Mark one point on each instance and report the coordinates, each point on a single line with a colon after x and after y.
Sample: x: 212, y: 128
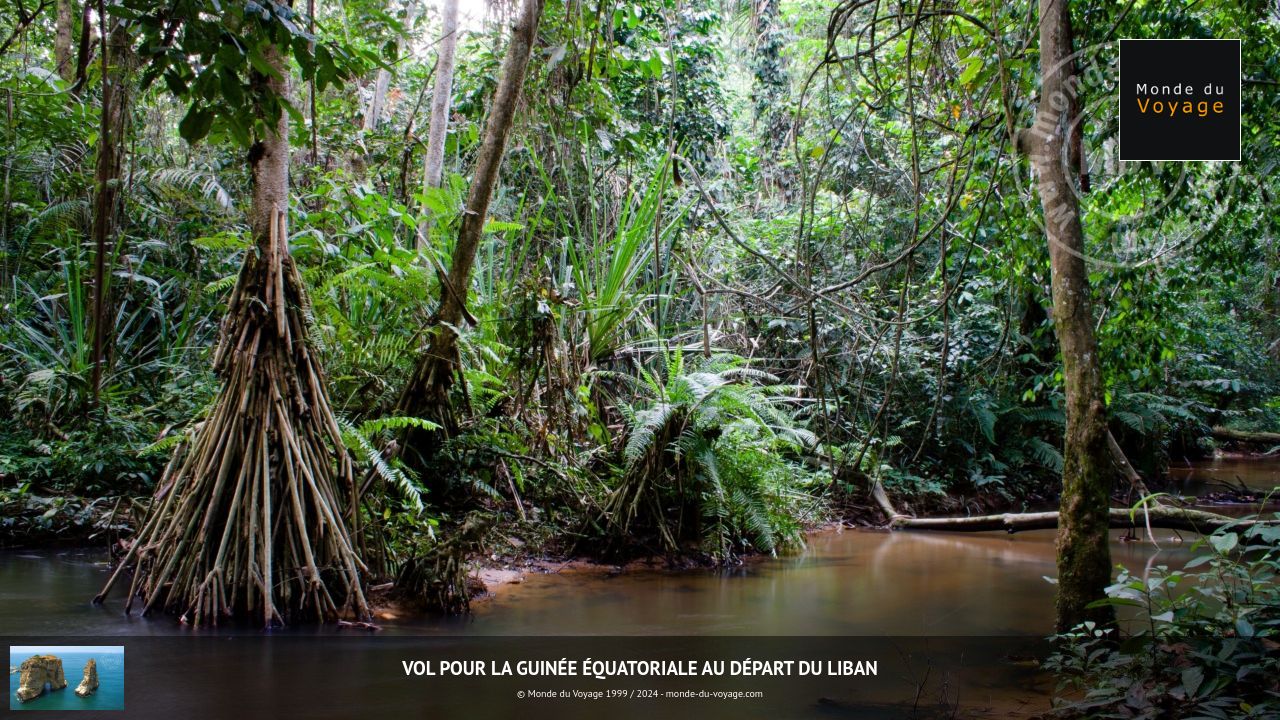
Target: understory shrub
x: 712, y: 460
x: 1203, y: 644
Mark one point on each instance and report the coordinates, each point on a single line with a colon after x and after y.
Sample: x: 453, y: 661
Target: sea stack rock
x: 90, y: 681
x: 37, y: 671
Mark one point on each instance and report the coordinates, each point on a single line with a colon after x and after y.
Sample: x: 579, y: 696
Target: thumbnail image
x: 44, y: 677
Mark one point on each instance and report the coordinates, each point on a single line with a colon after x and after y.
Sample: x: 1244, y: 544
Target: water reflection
x: 853, y: 582
x: 846, y: 583
x: 1223, y: 472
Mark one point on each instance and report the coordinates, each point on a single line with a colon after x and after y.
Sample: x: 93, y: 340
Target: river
x: 854, y: 584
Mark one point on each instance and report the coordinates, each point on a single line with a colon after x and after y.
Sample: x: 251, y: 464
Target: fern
x: 1045, y: 454
x: 1026, y: 415
x: 369, y: 428
x: 221, y: 285
x: 164, y: 446
x: 712, y: 435
x: 985, y: 418
x: 361, y: 442
x: 1134, y: 421
x: 188, y: 179
x: 54, y: 218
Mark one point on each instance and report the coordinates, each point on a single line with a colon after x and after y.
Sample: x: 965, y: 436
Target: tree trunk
x: 63, y: 27
x: 373, y: 111
x: 382, y: 82
x: 116, y: 57
x: 441, y: 100
x: 1136, y: 485
x: 1241, y: 436
x: 255, y: 517
x: 427, y: 393
x: 269, y: 163
x: 1084, y: 558
x: 1151, y: 515
x: 1170, y: 518
x: 84, y: 49
x: 442, y: 95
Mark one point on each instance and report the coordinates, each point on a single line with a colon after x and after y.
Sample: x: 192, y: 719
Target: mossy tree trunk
x: 1084, y: 556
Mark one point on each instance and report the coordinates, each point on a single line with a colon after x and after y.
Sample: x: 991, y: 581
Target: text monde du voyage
x: 1180, y: 99
x: 604, y: 669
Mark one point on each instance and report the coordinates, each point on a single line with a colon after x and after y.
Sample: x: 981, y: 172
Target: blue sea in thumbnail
x: 110, y: 692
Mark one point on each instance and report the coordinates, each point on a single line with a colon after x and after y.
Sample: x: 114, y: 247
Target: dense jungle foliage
x: 744, y: 262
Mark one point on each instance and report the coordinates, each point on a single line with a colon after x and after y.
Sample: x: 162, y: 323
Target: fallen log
x: 1150, y: 516
x: 1168, y: 518
x: 1243, y: 436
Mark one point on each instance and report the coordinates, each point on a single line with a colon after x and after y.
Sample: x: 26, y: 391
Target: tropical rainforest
x: 300, y: 300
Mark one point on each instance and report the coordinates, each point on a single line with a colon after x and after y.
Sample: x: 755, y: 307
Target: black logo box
x: 1187, y: 68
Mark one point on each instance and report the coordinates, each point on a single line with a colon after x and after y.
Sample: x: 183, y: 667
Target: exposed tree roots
x: 248, y: 518
x: 437, y: 576
x: 426, y: 395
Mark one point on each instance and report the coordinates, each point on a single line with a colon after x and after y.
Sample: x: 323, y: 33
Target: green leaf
x: 436, y: 199
x: 229, y: 56
x: 494, y: 226
x: 195, y: 125
x: 1197, y: 561
x: 259, y: 63
x: 1115, y: 602
x: 294, y: 113
x: 305, y: 55
x: 175, y: 83
x: 326, y: 70
x: 654, y: 66
x: 1224, y: 543
x: 229, y: 83
x: 1192, y: 679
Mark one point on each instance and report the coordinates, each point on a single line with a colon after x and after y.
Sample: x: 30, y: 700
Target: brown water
x: 1225, y: 472
x: 851, y: 584
x: 854, y: 582
x: 958, y: 595
x: 844, y: 583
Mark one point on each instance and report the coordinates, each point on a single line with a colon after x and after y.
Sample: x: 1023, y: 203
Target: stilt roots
x: 255, y: 516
